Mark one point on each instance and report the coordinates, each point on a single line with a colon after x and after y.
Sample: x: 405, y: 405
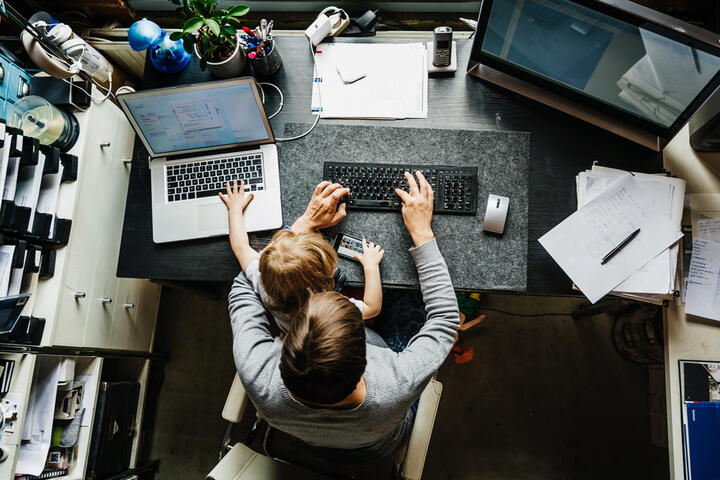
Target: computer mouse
x: 496, y: 213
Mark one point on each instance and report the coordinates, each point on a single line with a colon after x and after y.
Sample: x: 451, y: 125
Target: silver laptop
x: 199, y: 137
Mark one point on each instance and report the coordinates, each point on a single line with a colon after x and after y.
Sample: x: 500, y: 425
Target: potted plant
x: 212, y: 34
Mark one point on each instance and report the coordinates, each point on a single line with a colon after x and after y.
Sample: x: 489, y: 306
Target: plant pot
x: 230, y: 67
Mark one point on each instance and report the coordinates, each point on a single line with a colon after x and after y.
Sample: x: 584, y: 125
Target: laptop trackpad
x: 212, y: 217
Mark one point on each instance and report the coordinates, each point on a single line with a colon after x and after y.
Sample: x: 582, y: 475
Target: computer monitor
x: 614, y: 63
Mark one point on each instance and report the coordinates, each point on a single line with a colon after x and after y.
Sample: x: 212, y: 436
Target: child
x: 293, y: 265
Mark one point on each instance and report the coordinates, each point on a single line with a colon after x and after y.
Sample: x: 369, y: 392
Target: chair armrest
x: 422, y: 431
x: 236, y: 402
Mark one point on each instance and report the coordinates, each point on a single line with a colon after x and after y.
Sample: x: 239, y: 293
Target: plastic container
x: 38, y: 118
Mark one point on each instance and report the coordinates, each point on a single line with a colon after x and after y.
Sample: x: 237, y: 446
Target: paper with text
x: 703, y: 290
x: 579, y: 243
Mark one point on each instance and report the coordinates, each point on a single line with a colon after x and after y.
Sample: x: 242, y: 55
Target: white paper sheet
x: 6, y: 255
x: 11, y: 178
x: 703, y: 290
x: 579, y: 243
x: 395, y: 83
x: 709, y: 229
x: 49, y: 194
x: 657, y: 277
x: 28, y: 186
x: 39, y: 418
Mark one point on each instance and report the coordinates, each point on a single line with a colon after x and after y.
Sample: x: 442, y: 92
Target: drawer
x: 125, y: 317
x: 72, y: 316
x: 147, y: 313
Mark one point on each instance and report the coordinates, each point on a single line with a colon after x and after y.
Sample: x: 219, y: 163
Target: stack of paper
x: 393, y: 81
x: 702, y: 277
x: 611, y: 205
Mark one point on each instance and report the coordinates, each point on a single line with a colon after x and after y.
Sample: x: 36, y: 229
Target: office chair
x: 239, y: 462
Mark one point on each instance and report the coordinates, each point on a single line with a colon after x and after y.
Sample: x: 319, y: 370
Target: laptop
x: 200, y: 137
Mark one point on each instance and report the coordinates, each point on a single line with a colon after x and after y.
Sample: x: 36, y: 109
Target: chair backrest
x: 335, y: 463
x: 241, y: 463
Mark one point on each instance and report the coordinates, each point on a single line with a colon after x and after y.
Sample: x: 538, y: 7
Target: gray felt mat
x: 477, y: 261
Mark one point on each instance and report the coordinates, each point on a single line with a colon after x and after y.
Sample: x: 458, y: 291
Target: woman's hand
x: 323, y: 210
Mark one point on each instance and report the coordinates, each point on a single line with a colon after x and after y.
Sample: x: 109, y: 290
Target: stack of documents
x: 392, y: 84
x: 702, y: 276
x: 612, y: 204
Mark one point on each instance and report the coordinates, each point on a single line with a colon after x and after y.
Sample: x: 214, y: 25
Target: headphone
x: 45, y: 61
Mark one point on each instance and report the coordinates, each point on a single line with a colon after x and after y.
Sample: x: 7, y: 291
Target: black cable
x: 525, y: 315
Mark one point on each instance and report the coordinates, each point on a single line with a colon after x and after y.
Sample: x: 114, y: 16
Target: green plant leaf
x: 228, y: 30
x: 213, y: 25
x: 238, y: 10
x: 188, y: 44
x: 203, y: 64
x: 175, y: 36
x: 192, y: 25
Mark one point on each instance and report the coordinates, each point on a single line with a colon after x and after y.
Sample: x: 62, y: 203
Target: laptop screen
x: 199, y: 117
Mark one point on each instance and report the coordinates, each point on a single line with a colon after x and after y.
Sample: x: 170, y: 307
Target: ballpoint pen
x: 617, y: 249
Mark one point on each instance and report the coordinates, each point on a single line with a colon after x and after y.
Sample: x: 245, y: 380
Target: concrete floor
x: 543, y: 398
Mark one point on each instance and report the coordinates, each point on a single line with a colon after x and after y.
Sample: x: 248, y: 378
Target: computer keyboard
x: 205, y: 178
x: 372, y: 186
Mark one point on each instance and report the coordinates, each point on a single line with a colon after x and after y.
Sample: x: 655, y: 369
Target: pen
x: 615, y: 250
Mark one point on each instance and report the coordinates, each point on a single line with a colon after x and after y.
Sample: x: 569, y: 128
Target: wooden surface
x: 561, y: 146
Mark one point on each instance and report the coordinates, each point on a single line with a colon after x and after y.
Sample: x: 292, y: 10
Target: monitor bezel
x: 630, y: 13
x: 122, y: 98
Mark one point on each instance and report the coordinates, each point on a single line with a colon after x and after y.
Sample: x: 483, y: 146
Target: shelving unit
x: 106, y: 323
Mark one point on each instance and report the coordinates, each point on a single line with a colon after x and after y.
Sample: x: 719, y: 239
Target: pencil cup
x: 267, y: 65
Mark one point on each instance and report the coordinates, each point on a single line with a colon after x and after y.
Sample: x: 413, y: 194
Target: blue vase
x: 166, y: 56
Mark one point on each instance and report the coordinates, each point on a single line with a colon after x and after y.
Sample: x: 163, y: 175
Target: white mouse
x: 496, y: 213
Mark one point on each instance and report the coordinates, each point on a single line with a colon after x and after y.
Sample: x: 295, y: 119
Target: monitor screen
x: 625, y: 66
x: 198, y: 118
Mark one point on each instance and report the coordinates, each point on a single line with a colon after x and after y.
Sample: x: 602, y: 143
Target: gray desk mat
x: 476, y: 260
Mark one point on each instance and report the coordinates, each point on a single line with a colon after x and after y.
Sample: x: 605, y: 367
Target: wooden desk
x: 561, y: 146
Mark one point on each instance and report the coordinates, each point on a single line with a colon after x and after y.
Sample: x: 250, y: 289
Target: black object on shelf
x: 47, y: 263
x: 27, y: 331
x: 20, y: 220
x: 30, y: 150
x: 61, y: 234
x: 113, y: 429
x: 62, y: 94
x: 70, y: 167
x: 52, y: 160
x: 6, y: 213
x: 18, y: 259
x: 41, y: 226
x: 31, y: 263
x: 16, y: 141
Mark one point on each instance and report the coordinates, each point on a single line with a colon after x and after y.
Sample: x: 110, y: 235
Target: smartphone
x: 347, y: 246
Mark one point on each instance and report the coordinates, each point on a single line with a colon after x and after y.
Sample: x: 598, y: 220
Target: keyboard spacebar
x: 372, y: 203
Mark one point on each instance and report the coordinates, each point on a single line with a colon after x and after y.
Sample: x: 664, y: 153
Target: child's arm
x: 236, y: 202
x: 372, y: 298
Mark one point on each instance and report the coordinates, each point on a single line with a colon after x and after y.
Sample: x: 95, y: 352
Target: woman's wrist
x: 303, y: 225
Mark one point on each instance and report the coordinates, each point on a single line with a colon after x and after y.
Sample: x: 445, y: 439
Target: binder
x: 6, y: 377
x: 47, y: 263
x: 10, y: 310
x: 70, y: 167
x: 44, y: 475
x: 27, y: 331
x: 29, y: 153
x: 52, y: 159
x: 16, y: 141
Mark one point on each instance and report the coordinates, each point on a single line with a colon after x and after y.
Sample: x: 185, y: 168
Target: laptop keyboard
x: 205, y: 178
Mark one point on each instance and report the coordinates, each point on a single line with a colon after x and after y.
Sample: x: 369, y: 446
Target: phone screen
x: 349, y: 246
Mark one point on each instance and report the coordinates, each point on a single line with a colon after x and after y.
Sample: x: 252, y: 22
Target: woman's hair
x: 323, y: 354
x: 293, y: 266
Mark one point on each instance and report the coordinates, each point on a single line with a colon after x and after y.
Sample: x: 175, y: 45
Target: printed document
x: 579, y: 243
x: 703, y: 290
x: 394, y: 86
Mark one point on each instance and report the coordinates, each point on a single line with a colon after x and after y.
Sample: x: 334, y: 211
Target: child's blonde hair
x: 293, y: 266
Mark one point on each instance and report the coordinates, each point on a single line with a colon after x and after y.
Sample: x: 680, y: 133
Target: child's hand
x: 235, y: 200
x: 371, y: 256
